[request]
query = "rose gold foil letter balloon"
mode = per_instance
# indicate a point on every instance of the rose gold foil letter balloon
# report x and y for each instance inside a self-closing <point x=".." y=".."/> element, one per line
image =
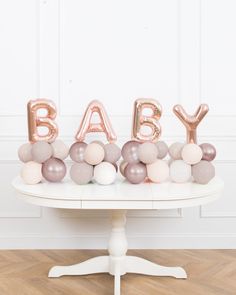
<point x="87" y="126"/>
<point x="35" y="121"/>
<point x="140" y="120"/>
<point x="191" y="122"/>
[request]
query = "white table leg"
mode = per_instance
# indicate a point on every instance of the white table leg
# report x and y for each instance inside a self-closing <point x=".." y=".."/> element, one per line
<point x="98" y="264"/>
<point x="142" y="266"/>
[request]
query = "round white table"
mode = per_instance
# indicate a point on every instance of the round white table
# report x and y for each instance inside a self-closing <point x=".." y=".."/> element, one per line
<point x="118" y="198"/>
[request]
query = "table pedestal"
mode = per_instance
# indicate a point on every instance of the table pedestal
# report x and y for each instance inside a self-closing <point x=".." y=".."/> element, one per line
<point x="117" y="263"/>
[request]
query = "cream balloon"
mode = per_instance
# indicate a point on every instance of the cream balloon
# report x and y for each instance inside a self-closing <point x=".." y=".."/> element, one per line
<point x="94" y="154"/>
<point x="158" y="171"/>
<point x="31" y="172"/>
<point x="192" y="153"/>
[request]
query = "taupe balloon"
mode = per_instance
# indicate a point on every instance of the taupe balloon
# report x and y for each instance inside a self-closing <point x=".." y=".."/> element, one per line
<point x="81" y="173"/>
<point x="77" y="151"/>
<point x="136" y="172"/>
<point x="41" y="151"/>
<point x="129" y="151"/>
<point x="122" y="167"/>
<point x="203" y="172"/>
<point x="112" y="153"/>
<point x="175" y="150"/>
<point x="54" y="170"/>
<point x="162" y="148"/>
<point x="209" y="151"/>
<point x="24" y="152"/>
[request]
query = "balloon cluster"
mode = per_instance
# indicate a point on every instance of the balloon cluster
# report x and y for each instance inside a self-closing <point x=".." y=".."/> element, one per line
<point x="94" y="161"/>
<point x="145" y="161"/>
<point x="43" y="160"/>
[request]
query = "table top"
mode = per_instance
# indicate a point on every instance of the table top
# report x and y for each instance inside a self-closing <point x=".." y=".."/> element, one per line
<point x="120" y="195"/>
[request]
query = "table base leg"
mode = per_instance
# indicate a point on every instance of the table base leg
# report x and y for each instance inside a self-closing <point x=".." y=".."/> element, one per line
<point x="117" y="263"/>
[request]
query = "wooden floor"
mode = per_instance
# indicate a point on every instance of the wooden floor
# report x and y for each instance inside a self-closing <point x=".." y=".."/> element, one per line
<point x="210" y="272"/>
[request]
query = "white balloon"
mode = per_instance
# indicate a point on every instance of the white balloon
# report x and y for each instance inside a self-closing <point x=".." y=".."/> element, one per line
<point x="31" y="172"/>
<point x="180" y="171"/>
<point x="158" y="171"/>
<point x="59" y="149"/>
<point x="105" y="173"/>
<point x="191" y="153"/>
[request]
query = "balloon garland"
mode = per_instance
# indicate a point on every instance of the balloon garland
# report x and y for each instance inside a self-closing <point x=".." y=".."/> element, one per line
<point x="144" y="157"/>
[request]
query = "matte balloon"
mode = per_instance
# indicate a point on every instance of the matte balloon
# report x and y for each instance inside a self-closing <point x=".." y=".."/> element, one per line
<point x="180" y="171"/>
<point x="24" y="152"/>
<point x="41" y="151"/>
<point x="54" y="170"/>
<point x="129" y="151"/>
<point x="31" y="172"/>
<point x="175" y="150"/>
<point x="158" y="171"/>
<point x="77" y="151"/>
<point x="209" y="151"/>
<point x="105" y="173"/>
<point x="94" y="154"/>
<point x="99" y="142"/>
<point x="112" y="153"/>
<point x="191" y="153"/>
<point x="122" y="167"/>
<point x="60" y="149"/>
<point x="147" y="152"/>
<point x="136" y="172"/>
<point x="81" y="173"/>
<point x="162" y="148"/>
<point x="203" y="172"/>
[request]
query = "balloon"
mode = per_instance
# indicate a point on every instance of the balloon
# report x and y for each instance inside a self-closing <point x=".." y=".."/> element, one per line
<point x="158" y="171"/>
<point x="191" y="153"/>
<point x="54" y="170"/>
<point x="35" y="121"/>
<point x="203" y="172"/>
<point x="112" y="153"/>
<point x="81" y="173"/>
<point x="162" y="148"/>
<point x="136" y="172"/>
<point x="129" y="151"/>
<point x="191" y="122"/>
<point x="87" y="126"/>
<point x="140" y="120"/>
<point x="60" y="149"/>
<point x="180" y="171"/>
<point x="94" y="154"/>
<point x="41" y="151"/>
<point x="105" y="173"/>
<point x="31" y="172"/>
<point x="24" y="152"/>
<point x="175" y="150"/>
<point x="122" y="167"/>
<point x="209" y="151"/>
<point x="147" y="152"/>
<point x="77" y="151"/>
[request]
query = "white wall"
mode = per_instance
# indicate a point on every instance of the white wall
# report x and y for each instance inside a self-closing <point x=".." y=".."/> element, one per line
<point x="72" y="51"/>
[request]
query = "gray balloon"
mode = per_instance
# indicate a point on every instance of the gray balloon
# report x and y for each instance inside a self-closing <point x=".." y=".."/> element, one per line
<point x="41" y="151"/>
<point x="54" y="170"/>
<point x="24" y="152"/>
<point x="112" y="153"/>
<point x="81" y="173"/>
<point x="162" y="149"/>
<point x="135" y="173"/>
<point x="209" y="151"/>
<point x="203" y="172"/>
<point x="129" y="151"/>
<point x="77" y="151"/>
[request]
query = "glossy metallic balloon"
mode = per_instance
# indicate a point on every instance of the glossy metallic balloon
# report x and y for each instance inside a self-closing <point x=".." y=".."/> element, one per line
<point x="104" y="125"/>
<point x="48" y="121"/>
<point x="129" y="152"/>
<point x="136" y="173"/>
<point x="209" y="151"/>
<point x="191" y="122"/>
<point x="140" y="120"/>
<point x="77" y="151"/>
<point x="54" y="170"/>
